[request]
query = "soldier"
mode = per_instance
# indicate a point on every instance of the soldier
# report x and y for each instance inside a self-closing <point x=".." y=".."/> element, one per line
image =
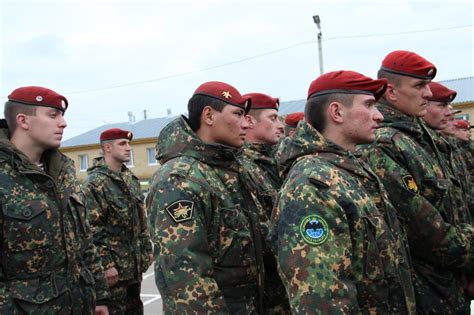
<point x="208" y="243"/>
<point x="462" y="131"/>
<point x="463" y="136"/>
<point x="264" y="131"/>
<point x="118" y="221"/>
<point x="408" y="163"/>
<point x="340" y="246"/>
<point x="291" y="121"/>
<point x="48" y="262"/>
<point x="438" y="116"/>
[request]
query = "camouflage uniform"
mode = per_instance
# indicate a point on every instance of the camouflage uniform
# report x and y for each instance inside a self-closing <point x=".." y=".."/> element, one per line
<point x="208" y="245"/>
<point x="48" y="263"/>
<point x="262" y="169"/>
<point x="441" y="243"/>
<point x="341" y="248"/>
<point x="467" y="151"/>
<point x="119" y="225"/>
<point x="454" y="159"/>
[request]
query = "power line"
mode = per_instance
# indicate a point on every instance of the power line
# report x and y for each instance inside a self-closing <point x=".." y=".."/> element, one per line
<point x="398" y="33"/>
<point x="260" y="55"/>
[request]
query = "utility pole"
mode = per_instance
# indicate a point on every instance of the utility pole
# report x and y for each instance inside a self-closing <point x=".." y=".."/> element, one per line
<point x="317" y="21"/>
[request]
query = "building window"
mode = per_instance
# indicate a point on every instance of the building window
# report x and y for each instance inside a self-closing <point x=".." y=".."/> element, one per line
<point x="463" y="116"/>
<point x="151" y="153"/>
<point x="83" y="162"/>
<point x="130" y="163"/>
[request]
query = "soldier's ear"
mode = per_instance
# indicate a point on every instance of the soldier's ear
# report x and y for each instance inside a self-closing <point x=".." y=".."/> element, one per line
<point x="207" y="116"/>
<point x="335" y="112"/>
<point x="251" y="121"/>
<point x="391" y="93"/>
<point x="22" y="121"/>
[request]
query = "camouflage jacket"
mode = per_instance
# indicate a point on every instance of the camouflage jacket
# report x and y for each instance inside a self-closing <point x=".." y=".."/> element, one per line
<point x="263" y="169"/>
<point x="467" y="151"/>
<point x="263" y="156"/>
<point x="47" y="258"/>
<point x="208" y="245"/>
<point x="118" y="219"/>
<point x="442" y="246"/>
<point x="341" y="248"/>
<point x="453" y="157"/>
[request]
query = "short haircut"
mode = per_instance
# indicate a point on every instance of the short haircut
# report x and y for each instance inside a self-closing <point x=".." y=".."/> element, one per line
<point x="103" y="143"/>
<point x="255" y="113"/>
<point x="316" y="106"/>
<point x="395" y="79"/>
<point x="195" y="106"/>
<point x="12" y="109"/>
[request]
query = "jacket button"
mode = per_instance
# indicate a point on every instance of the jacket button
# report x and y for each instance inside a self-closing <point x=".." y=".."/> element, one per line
<point x="49" y="184"/>
<point x="40" y="297"/>
<point x="26" y="213"/>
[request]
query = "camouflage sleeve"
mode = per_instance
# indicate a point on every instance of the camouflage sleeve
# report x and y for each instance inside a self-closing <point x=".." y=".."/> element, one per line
<point x="97" y="207"/>
<point x="92" y="258"/>
<point x="430" y="236"/>
<point x="314" y="248"/>
<point x="183" y="257"/>
<point x="4" y="290"/>
<point x="145" y="240"/>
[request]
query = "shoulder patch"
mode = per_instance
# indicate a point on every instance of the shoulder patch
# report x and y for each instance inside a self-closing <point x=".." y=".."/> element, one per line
<point x="410" y="183"/>
<point x="314" y="230"/>
<point x="181" y="210"/>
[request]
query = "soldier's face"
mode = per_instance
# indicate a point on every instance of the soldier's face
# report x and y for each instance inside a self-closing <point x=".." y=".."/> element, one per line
<point x="412" y="96"/>
<point x="463" y="134"/>
<point x="46" y="128"/>
<point x="229" y="127"/>
<point x="360" y="120"/>
<point x="450" y="129"/>
<point x="267" y="128"/>
<point x="120" y="150"/>
<point x="437" y="115"/>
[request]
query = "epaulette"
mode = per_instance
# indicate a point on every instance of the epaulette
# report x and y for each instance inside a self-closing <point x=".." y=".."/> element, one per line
<point x="385" y="135"/>
<point x="320" y="177"/>
<point x="180" y="166"/>
<point x="96" y="179"/>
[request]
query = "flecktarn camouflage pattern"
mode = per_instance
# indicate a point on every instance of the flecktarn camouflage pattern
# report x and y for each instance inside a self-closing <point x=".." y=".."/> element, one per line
<point x="340" y="246"/>
<point x="49" y="264"/>
<point x="441" y="241"/>
<point x="205" y="227"/>
<point x="119" y="225"/>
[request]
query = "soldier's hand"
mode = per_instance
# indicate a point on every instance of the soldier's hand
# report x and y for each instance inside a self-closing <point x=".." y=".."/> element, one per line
<point x="101" y="310"/>
<point x="150" y="259"/>
<point x="111" y="276"/>
<point x="470" y="288"/>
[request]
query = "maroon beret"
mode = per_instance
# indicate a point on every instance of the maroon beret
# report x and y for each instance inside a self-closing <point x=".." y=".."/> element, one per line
<point x="409" y="64"/>
<point x="292" y="119"/>
<point x="441" y="93"/>
<point x="263" y="101"/>
<point x="38" y="96"/>
<point x="346" y="82"/>
<point x="224" y="92"/>
<point x="115" y="133"/>
<point x="461" y="124"/>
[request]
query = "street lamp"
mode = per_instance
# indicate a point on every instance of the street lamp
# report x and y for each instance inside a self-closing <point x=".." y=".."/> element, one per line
<point x="317" y="21"/>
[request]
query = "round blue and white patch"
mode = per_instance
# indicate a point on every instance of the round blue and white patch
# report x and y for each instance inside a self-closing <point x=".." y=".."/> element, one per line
<point x="314" y="230"/>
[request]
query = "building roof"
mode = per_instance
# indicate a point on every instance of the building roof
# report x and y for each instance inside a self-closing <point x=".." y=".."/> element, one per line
<point x="464" y="87"/>
<point x="147" y="128"/>
<point x="150" y="128"/>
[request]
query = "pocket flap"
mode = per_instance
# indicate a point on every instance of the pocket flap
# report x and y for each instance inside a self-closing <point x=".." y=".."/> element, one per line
<point x="25" y="210"/>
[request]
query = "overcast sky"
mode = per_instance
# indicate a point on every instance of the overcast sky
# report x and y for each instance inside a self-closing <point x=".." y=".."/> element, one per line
<point x="112" y="57"/>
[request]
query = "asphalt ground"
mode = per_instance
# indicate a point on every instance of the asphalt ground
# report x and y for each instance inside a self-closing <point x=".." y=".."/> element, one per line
<point x="150" y="296"/>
